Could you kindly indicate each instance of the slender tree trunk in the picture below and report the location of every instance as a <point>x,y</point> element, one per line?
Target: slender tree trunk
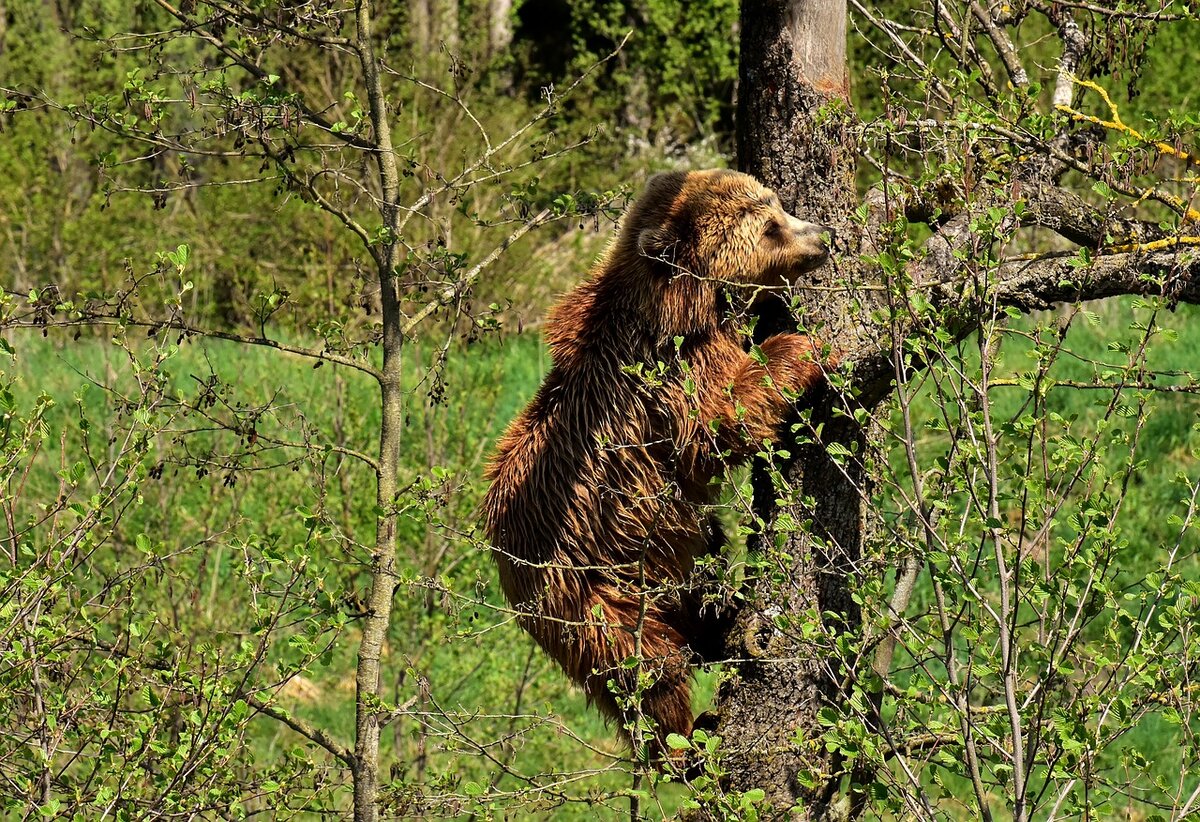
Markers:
<point>793,134</point>
<point>420,29</point>
<point>499,26</point>
<point>432,24</point>
<point>445,22</point>
<point>383,561</point>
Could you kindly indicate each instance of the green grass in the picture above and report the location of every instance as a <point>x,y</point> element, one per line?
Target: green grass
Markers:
<point>1095,350</point>
<point>466,673</point>
<point>461,666</point>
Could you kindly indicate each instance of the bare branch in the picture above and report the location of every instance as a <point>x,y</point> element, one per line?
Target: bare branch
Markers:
<point>193,331</point>
<point>485,157</point>
<point>259,73</point>
<point>305,729</point>
<point>1117,13</point>
<point>1004,46</point>
<point>966,46</point>
<point>277,23</point>
<point>451,292</point>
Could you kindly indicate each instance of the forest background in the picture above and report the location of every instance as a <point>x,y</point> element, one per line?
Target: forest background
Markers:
<point>190,320</point>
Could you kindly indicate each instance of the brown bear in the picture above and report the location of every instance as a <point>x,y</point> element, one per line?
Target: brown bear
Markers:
<point>601,489</point>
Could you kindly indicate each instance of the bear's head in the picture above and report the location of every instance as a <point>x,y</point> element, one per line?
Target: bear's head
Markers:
<point>721,226</point>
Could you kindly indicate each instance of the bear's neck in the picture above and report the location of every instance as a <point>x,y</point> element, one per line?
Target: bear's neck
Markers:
<point>632,313</point>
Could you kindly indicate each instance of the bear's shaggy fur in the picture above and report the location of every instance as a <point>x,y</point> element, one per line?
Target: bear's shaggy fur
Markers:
<point>597,508</point>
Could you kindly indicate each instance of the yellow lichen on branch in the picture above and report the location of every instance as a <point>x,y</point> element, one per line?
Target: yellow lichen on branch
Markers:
<point>1154,245</point>
<point>1164,149</point>
<point>1117,124</point>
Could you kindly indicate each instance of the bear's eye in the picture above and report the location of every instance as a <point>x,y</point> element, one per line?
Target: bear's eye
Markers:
<point>772,228</point>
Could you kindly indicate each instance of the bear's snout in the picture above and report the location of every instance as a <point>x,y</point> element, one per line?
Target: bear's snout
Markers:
<point>811,231</point>
<point>810,240</point>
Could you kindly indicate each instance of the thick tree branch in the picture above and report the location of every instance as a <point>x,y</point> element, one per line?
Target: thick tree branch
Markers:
<point>1031,285</point>
<point>1070,216</point>
<point>1039,283</point>
<point>1168,266</point>
<point>1046,206</point>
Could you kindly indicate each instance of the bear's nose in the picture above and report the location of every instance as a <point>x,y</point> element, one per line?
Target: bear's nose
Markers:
<point>806,229</point>
<point>822,230</point>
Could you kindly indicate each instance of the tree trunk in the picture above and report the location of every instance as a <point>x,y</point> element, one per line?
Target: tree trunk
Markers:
<point>793,62</point>
<point>499,27</point>
<point>793,134</point>
<point>432,25</point>
<point>368,682</point>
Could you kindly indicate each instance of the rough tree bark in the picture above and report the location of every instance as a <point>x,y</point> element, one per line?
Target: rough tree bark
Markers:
<point>795,132</point>
<point>792,133</point>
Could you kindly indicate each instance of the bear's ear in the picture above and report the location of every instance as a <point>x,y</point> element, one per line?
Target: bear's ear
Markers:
<point>665,185</point>
<point>659,211</point>
<point>658,242</point>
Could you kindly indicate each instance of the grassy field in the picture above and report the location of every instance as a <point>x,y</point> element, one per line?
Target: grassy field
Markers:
<point>479,674</point>
<point>484,711</point>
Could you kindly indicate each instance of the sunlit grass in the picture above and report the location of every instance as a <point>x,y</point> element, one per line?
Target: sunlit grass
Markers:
<point>453,655</point>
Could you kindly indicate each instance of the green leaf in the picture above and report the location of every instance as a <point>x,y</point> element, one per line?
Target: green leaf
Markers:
<point>677,742</point>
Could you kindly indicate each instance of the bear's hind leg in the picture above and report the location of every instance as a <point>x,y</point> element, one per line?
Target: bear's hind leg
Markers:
<point>707,609</point>
<point>612,686</point>
<point>707,626</point>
